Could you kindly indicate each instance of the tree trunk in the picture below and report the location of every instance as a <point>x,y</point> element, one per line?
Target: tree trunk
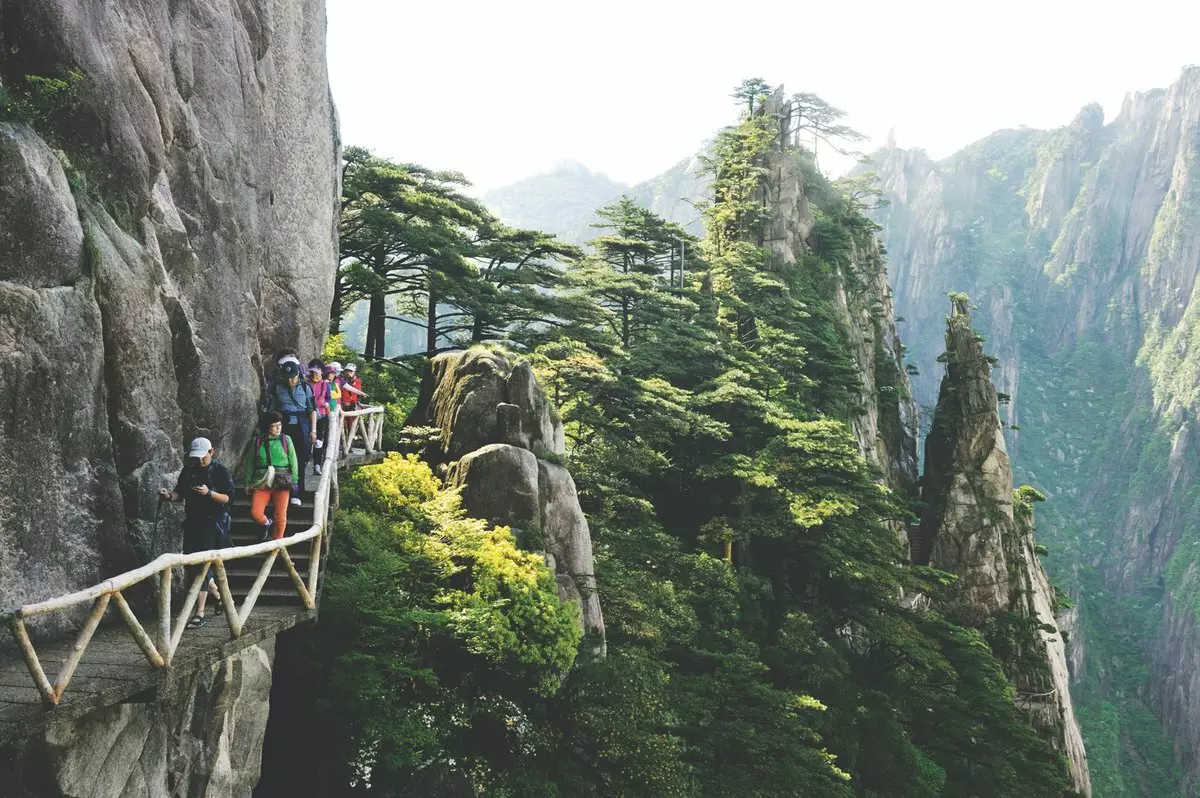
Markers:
<point>375,329</point>
<point>625,314</point>
<point>478,326</point>
<point>431,330</point>
<point>335,308</point>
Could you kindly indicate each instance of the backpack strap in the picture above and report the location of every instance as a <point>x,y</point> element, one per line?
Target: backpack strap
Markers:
<point>266,446</point>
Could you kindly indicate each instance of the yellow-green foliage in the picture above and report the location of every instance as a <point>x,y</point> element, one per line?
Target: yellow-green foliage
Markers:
<point>499,602</point>
<point>397,483</point>
<point>437,637</point>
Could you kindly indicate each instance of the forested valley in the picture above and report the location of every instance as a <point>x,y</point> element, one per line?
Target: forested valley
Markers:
<point>737,420</point>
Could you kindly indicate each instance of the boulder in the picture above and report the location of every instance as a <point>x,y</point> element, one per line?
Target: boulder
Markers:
<point>500,483</point>
<point>565,531</point>
<point>499,439</point>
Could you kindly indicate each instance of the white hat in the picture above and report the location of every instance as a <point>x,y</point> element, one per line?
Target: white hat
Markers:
<point>199,447</point>
<point>287,359</point>
<point>351,367</point>
<point>336,366</point>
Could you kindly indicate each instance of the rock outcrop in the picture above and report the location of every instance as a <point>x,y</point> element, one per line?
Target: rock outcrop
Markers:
<point>165,225</point>
<point>1082,247</point>
<point>495,435</point>
<point>969,527</point>
<point>886,425</point>
<point>203,737</point>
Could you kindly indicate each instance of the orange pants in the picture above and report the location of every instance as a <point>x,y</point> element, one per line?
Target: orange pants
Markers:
<point>258,504</point>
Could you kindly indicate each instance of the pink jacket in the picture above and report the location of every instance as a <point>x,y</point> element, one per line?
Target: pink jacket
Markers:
<point>321,397</point>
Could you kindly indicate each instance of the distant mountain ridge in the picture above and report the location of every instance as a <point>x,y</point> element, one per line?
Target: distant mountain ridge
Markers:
<point>564,200</point>
<point>561,201</point>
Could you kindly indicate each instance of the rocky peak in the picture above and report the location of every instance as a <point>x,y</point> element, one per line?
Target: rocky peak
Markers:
<point>493,433</point>
<point>967,485</point>
<point>789,219</point>
<point>885,429</point>
<point>975,528</point>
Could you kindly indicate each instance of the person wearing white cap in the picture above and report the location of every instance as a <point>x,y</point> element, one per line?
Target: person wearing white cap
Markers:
<point>271,379</point>
<point>206,488</point>
<point>295,402</point>
<point>351,387</point>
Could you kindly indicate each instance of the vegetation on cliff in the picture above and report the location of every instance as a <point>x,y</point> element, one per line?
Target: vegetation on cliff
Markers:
<point>745,551</point>
<point>1089,299</point>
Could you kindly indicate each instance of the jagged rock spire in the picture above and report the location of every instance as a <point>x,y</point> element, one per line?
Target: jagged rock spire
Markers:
<point>968,480</point>
<point>968,528</point>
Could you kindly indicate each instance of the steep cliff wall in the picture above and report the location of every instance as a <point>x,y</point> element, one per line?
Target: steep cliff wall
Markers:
<point>167,221</point>
<point>164,226</point>
<point>496,435</point>
<point>885,423</point>
<point>202,737</point>
<point>969,527</point>
<point>1082,247</point>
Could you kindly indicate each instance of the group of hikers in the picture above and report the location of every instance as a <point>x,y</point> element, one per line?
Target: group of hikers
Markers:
<point>293,431</point>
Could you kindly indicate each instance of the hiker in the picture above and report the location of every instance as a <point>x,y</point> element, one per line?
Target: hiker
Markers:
<point>351,388</point>
<point>321,396</point>
<point>272,473</point>
<point>293,400</point>
<point>274,377</point>
<point>352,392</point>
<point>206,488</point>
<point>333,380</point>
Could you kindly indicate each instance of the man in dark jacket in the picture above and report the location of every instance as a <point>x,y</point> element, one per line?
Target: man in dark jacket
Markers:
<point>293,399</point>
<point>206,488</point>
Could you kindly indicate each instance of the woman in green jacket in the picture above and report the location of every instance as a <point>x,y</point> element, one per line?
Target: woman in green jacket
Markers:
<point>271,449</point>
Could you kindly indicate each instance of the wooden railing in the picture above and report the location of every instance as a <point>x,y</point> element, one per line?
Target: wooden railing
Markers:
<point>366,424</point>
<point>168,629</point>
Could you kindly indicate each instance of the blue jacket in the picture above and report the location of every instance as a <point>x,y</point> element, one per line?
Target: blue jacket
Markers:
<point>291,401</point>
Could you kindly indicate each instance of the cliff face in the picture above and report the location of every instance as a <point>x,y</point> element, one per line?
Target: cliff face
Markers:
<point>886,424</point>
<point>967,525</point>
<point>167,222</point>
<point>165,225</point>
<point>206,740</point>
<point>969,528</point>
<point>496,435</point>
<point>1082,247</point>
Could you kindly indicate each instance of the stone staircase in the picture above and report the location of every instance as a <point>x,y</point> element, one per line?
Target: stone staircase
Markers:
<point>245,532</point>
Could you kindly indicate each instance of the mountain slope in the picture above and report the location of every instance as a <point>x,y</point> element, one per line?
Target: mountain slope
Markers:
<point>561,201</point>
<point>564,201</point>
<point>1082,247</point>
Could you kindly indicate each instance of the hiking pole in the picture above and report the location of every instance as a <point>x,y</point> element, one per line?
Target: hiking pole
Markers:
<point>157,513</point>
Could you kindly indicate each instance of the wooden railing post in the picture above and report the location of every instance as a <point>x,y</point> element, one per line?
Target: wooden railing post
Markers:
<point>164,612</point>
<point>314,565</point>
<point>139,634</point>
<point>85,636</point>
<point>31,660</point>
<point>252,597</point>
<point>231,612</point>
<point>185,612</point>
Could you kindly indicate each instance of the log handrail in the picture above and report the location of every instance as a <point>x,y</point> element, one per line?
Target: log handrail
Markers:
<point>366,422</point>
<point>167,631</point>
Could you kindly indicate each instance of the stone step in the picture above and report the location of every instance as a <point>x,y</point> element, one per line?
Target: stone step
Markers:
<point>298,552</point>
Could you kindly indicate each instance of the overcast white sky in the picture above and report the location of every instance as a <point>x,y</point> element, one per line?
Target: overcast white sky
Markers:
<point>502,89</point>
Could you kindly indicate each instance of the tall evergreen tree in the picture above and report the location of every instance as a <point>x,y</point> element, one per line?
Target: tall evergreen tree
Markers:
<point>406,233</point>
